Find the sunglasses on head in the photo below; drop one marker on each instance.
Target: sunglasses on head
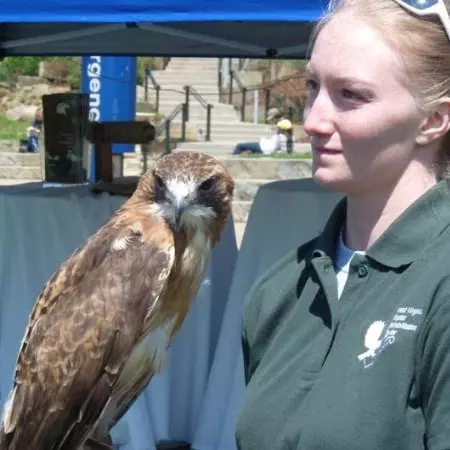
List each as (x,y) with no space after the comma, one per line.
(428,8)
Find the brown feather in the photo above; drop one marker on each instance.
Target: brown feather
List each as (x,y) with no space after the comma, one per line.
(80,347)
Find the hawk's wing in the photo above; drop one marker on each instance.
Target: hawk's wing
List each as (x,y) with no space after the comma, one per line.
(86,321)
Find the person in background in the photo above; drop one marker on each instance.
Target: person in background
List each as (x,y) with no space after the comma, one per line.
(346,340)
(274,115)
(280,141)
(34,130)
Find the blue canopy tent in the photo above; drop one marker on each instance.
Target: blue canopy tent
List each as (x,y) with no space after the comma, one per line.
(205,415)
(209,28)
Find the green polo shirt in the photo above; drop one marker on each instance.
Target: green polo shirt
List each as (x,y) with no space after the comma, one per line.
(369,371)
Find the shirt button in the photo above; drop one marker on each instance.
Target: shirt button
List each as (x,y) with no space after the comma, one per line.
(363,270)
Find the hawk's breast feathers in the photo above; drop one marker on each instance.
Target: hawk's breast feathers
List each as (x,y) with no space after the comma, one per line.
(87,320)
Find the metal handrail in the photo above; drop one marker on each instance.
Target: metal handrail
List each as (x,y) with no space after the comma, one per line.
(157,87)
(242,88)
(182,107)
(269,96)
(208,106)
(169,118)
(200,99)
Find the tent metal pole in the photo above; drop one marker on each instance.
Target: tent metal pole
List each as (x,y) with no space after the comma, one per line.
(204,38)
(294,49)
(60,36)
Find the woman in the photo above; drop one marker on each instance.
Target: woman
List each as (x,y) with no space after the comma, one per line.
(282,141)
(274,115)
(346,340)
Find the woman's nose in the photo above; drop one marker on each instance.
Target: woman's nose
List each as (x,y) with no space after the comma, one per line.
(318,116)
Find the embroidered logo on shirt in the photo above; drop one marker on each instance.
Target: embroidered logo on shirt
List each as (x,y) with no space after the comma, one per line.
(379,336)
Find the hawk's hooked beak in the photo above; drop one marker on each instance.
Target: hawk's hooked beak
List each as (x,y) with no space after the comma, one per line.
(180,207)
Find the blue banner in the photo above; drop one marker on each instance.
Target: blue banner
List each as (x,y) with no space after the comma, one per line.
(110,82)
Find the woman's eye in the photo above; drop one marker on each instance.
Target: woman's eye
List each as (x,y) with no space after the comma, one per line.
(311,85)
(351,95)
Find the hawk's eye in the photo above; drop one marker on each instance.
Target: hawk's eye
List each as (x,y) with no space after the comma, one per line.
(208,184)
(159,182)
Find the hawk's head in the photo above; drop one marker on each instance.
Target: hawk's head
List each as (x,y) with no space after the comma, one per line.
(189,190)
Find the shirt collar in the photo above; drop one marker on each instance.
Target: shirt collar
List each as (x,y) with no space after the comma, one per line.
(405,238)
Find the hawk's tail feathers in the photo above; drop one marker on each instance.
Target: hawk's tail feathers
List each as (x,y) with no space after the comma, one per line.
(4,442)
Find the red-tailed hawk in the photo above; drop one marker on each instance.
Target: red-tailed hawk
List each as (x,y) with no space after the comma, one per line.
(101,325)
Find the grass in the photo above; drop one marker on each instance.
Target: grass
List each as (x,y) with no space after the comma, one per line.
(304,155)
(13,130)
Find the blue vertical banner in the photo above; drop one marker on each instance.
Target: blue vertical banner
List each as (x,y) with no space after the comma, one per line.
(110,82)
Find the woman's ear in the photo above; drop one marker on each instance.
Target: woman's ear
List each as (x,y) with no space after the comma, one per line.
(436,124)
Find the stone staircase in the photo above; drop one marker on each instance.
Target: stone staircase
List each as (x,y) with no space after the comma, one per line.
(16,168)
(202,74)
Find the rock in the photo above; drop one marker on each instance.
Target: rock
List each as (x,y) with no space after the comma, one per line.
(4,92)
(21,112)
(268,168)
(54,70)
(24,80)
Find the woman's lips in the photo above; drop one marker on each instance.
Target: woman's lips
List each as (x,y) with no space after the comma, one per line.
(326,150)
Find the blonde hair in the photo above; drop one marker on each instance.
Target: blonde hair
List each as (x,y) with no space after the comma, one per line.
(421,43)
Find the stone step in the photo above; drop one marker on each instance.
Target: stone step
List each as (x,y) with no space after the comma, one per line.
(267,168)
(188,65)
(172,103)
(179,97)
(178,88)
(194,78)
(9,146)
(257,170)
(246,189)
(20,172)
(196,71)
(221,132)
(198,116)
(166,92)
(188,59)
(199,60)
(225,125)
(231,129)
(195,104)
(240,135)
(12,181)
(211,148)
(178,84)
(196,109)
(199,68)
(19,159)
(224,147)
(241,210)
(197,113)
